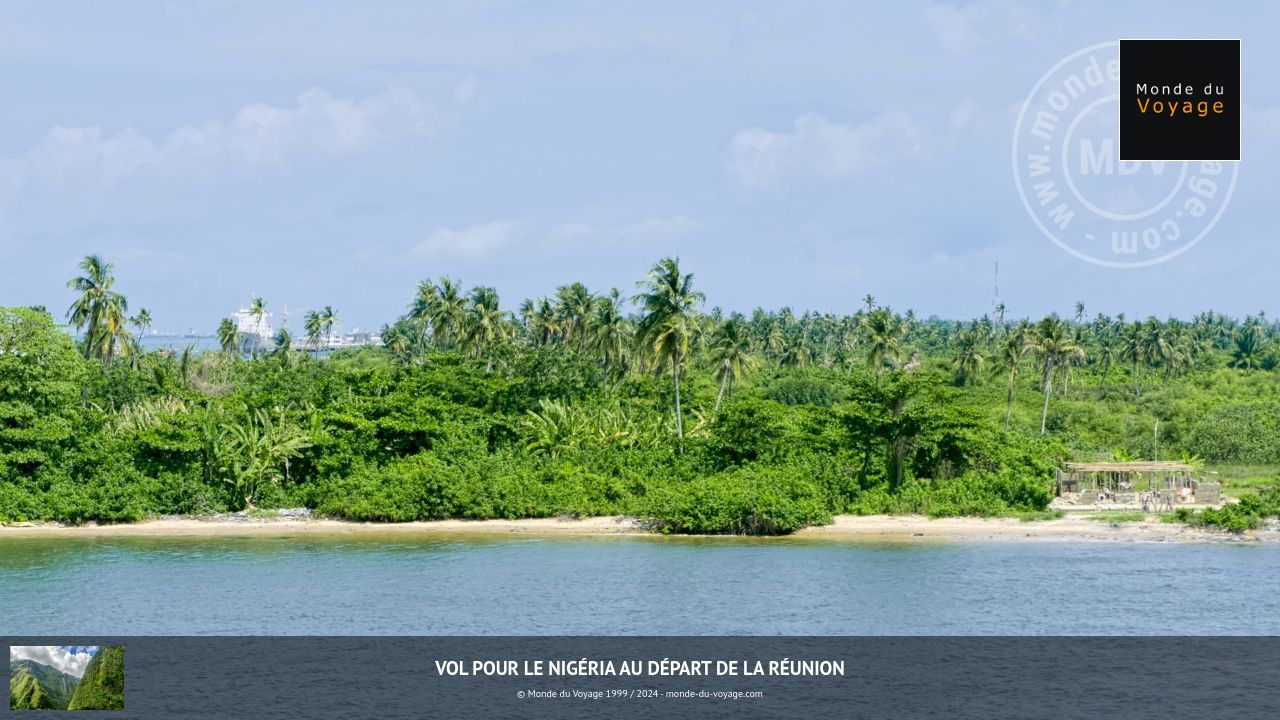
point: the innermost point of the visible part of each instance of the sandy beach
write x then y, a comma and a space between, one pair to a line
872, 528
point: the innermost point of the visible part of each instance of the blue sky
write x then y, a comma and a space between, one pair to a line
800, 154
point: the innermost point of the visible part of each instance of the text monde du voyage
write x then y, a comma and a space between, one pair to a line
1180, 99
666, 667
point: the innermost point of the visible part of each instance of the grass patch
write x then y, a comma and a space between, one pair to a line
1038, 515
1240, 480
1117, 516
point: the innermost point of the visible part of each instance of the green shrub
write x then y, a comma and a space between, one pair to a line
743, 501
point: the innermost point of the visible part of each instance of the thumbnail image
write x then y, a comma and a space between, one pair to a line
66, 677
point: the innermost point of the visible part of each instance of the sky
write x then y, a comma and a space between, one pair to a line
70, 659
791, 154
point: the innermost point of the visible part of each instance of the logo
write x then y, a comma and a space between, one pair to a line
1082, 196
1180, 100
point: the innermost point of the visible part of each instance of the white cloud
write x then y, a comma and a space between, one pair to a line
257, 135
647, 229
963, 28
476, 241
70, 660
817, 147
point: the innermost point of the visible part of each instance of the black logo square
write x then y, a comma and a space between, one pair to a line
1179, 99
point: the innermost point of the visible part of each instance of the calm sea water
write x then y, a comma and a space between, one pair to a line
380, 585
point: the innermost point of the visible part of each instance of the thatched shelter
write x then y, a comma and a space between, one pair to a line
1121, 481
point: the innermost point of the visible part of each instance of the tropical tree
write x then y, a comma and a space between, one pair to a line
313, 325
882, 338
731, 357
608, 331
1010, 352
228, 336
283, 349
1250, 348
484, 324
668, 304
970, 358
142, 321
448, 313
574, 306
99, 310
257, 451
328, 319
1053, 343
258, 311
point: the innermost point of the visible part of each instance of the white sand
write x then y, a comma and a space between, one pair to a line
910, 528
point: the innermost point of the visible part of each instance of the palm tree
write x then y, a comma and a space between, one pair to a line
99, 310
422, 309
1251, 348
448, 313
258, 311
1011, 350
484, 324
883, 333
1052, 341
328, 319
283, 350
228, 336
730, 353
313, 325
574, 304
1080, 311
668, 304
142, 321
1134, 349
970, 360
608, 330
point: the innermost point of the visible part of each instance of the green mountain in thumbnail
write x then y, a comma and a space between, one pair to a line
102, 687
34, 686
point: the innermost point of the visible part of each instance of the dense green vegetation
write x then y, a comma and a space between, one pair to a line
102, 686
35, 686
585, 404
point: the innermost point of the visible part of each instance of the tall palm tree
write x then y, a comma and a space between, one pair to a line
970, 358
883, 334
328, 319
1134, 349
1052, 341
574, 304
313, 325
99, 310
608, 331
448, 313
422, 309
1011, 350
668, 304
142, 321
228, 336
258, 310
731, 355
485, 324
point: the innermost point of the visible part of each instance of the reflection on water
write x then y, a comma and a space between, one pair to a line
628, 585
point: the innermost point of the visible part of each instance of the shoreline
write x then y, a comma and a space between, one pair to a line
850, 528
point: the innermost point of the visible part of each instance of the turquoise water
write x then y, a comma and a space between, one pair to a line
381, 585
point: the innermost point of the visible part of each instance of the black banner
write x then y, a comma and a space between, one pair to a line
692, 677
